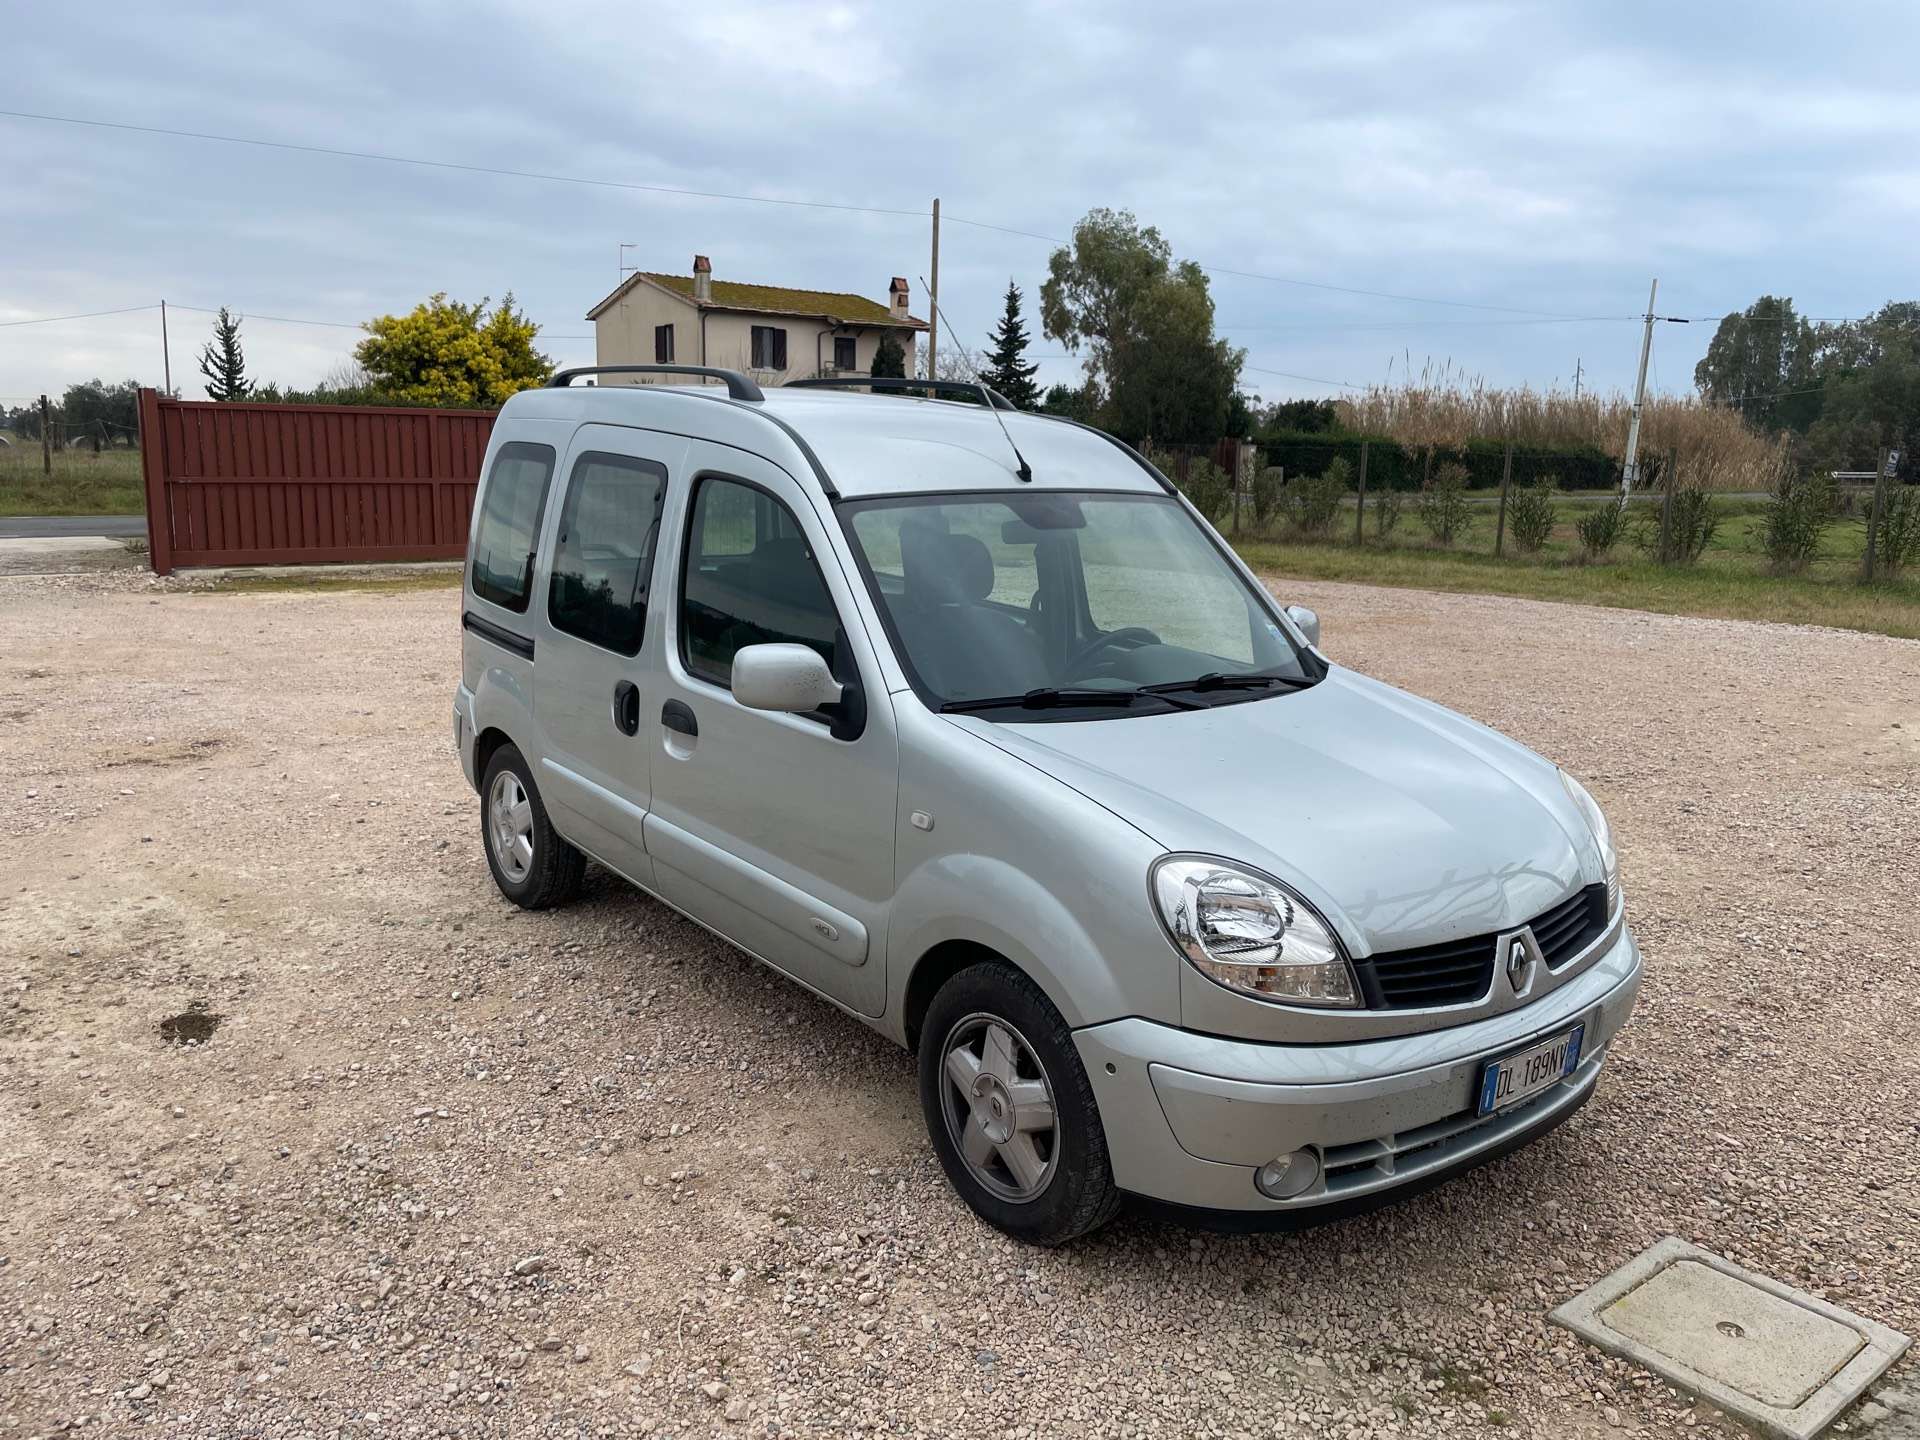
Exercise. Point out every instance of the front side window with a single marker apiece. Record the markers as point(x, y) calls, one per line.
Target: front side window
point(769, 348)
point(749, 579)
point(1083, 606)
point(510, 511)
point(603, 557)
point(663, 344)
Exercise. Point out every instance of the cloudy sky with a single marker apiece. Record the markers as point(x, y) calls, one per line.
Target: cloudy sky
point(1525, 163)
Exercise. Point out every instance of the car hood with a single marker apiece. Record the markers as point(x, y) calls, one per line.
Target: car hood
point(1405, 823)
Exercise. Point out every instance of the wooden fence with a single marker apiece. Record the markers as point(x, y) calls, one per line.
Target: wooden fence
point(248, 484)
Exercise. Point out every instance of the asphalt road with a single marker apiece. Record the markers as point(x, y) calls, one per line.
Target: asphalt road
point(14, 527)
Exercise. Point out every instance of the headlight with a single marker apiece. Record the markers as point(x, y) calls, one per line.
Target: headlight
point(1250, 933)
point(1602, 835)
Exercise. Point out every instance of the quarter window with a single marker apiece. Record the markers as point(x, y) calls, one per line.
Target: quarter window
point(663, 344)
point(769, 348)
point(603, 557)
point(749, 579)
point(510, 511)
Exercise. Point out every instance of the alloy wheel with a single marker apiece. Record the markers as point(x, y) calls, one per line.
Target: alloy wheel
point(998, 1104)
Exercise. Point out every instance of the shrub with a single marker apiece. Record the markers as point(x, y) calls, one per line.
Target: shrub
point(1204, 483)
point(1313, 501)
point(1443, 504)
point(1386, 514)
point(1530, 515)
point(1600, 530)
point(1897, 542)
point(1798, 513)
point(1679, 531)
point(1268, 484)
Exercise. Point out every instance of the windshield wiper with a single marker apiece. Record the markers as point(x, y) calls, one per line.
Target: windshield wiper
point(1217, 680)
point(1050, 697)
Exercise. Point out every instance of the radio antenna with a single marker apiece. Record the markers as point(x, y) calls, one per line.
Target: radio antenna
point(1022, 471)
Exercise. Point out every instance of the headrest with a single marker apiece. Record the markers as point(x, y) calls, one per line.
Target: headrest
point(783, 570)
point(944, 569)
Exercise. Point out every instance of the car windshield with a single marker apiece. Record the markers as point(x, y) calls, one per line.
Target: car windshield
point(1080, 605)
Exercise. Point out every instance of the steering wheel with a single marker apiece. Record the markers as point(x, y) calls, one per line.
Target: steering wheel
point(1137, 635)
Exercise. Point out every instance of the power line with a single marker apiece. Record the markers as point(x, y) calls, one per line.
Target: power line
point(238, 313)
point(88, 315)
point(1311, 379)
point(724, 195)
point(455, 165)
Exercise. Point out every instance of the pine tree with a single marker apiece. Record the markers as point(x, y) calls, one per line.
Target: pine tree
point(222, 363)
point(1008, 370)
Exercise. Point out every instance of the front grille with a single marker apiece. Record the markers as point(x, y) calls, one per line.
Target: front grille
point(1572, 925)
point(1457, 972)
point(1449, 974)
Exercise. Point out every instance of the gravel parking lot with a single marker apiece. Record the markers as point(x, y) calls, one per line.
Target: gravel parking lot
point(447, 1168)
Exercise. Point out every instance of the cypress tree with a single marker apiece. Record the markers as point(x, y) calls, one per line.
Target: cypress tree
point(222, 362)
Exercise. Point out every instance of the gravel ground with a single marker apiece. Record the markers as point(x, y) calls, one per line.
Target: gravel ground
point(444, 1168)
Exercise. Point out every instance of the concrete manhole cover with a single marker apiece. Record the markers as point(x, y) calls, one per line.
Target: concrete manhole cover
point(1771, 1355)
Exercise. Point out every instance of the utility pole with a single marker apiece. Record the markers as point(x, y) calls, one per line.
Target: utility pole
point(1627, 474)
point(1576, 379)
point(933, 297)
point(46, 438)
point(166, 351)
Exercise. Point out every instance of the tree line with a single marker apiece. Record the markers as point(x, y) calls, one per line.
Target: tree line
point(1843, 391)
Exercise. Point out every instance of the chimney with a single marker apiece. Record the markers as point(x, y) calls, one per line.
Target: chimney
point(897, 297)
point(702, 279)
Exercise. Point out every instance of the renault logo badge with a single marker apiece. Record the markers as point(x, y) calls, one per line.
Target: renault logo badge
point(1517, 961)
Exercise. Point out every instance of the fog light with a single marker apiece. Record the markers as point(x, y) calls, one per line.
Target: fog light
point(1288, 1176)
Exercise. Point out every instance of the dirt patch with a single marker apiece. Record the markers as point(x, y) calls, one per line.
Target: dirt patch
point(193, 1026)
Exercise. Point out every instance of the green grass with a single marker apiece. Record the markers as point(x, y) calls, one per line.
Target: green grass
point(1731, 580)
point(396, 583)
point(82, 483)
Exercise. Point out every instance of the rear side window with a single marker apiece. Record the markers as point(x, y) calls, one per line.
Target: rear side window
point(749, 579)
point(510, 511)
point(604, 555)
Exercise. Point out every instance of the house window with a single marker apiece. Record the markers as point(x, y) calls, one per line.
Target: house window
point(843, 353)
point(769, 348)
point(663, 344)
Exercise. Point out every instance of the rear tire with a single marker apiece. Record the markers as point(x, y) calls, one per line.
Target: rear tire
point(1010, 1110)
point(531, 864)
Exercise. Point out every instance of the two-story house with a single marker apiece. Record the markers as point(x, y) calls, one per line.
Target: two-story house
point(772, 333)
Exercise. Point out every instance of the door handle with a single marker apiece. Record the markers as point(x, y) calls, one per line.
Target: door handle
point(626, 708)
point(678, 717)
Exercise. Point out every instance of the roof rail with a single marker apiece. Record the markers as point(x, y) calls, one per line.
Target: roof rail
point(738, 385)
point(972, 389)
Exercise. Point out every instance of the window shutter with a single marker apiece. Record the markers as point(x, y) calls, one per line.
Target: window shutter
point(779, 350)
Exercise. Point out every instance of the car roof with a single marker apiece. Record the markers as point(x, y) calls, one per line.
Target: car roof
point(867, 445)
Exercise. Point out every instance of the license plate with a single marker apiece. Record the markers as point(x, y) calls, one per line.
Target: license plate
point(1512, 1079)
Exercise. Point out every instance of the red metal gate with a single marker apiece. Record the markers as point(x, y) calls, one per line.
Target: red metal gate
point(248, 484)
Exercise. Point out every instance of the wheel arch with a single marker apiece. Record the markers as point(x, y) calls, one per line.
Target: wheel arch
point(485, 746)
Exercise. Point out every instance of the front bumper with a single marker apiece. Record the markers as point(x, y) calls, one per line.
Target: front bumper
point(1190, 1118)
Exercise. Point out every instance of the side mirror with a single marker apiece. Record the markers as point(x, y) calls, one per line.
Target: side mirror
point(1307, 622)
point(789, 678)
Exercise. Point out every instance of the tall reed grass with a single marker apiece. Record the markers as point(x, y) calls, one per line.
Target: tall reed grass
point(1443, 407)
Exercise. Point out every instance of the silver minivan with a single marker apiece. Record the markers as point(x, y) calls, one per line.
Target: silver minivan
point(965, 720)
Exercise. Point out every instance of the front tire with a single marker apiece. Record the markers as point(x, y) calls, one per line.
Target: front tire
point(531, 864)
point(1010, 1110)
